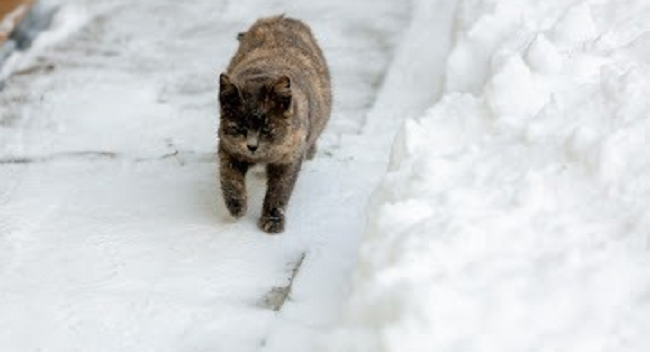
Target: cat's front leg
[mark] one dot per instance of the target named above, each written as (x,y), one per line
(233,183)
(311,152)
(281,181)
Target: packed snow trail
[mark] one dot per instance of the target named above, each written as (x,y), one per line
(113,236)
(412,83)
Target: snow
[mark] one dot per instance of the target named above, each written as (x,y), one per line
(483,182)
(514,215)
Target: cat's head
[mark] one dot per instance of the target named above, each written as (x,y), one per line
(255,115)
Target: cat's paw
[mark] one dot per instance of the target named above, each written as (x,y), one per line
(272,222)
(236,207)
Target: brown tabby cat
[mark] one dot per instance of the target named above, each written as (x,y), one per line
(275,101)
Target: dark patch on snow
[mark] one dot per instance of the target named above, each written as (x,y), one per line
(37,19)
(277,297)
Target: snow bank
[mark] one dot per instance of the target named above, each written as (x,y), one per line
(515,215)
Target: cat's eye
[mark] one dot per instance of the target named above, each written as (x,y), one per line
(266,130)
(235,130)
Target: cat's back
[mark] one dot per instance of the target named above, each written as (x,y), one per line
(280,45)
(278,39)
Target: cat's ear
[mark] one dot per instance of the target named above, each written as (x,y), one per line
(281,93)
(228,92)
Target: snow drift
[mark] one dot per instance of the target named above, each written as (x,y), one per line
(515,215)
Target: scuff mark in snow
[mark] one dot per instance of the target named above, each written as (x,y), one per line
(181,156)
(276,298)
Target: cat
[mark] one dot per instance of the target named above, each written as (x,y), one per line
(275,100)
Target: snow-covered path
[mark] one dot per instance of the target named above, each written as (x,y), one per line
(113,236)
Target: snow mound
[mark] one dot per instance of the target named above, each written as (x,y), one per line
(515,213)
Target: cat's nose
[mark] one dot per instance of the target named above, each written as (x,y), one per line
(252,148)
